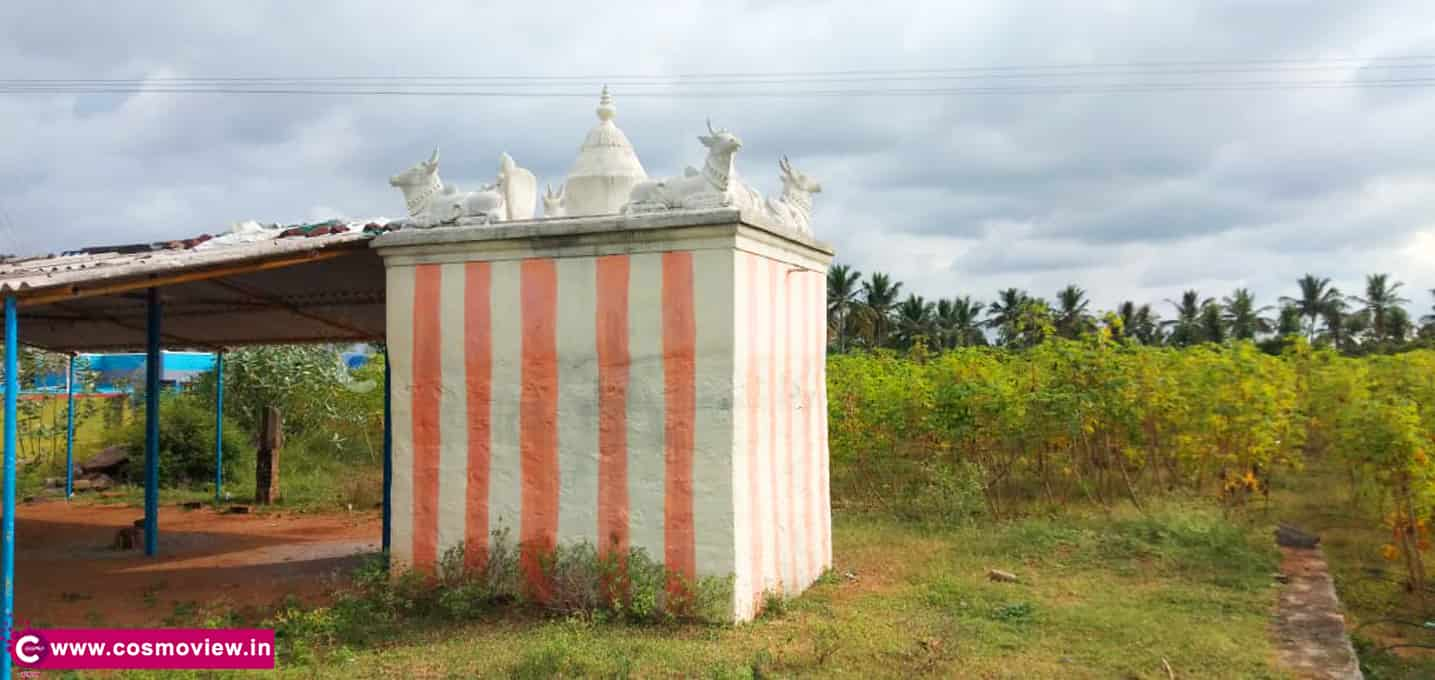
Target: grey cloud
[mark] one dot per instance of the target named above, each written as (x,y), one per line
(1130,195)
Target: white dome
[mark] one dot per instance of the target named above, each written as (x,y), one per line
(606,168)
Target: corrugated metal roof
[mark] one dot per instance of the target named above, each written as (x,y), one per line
(92,266)
(310,283)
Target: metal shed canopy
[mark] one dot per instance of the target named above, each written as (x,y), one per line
(290,289)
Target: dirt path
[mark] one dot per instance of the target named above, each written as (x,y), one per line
(69,574)
(1309,629)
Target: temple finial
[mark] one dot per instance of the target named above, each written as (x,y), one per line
(606,109)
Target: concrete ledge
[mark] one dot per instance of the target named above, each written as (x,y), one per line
(557,233)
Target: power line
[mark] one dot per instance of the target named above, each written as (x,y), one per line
(512,81)
(1194,86)
(1230,65)
(1091,78)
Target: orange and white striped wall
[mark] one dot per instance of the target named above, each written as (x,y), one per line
(647,381)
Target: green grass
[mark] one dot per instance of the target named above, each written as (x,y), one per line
(314,477)
(44,456)
(1371,588)
(1100,596)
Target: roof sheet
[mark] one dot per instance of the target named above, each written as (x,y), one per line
(308,283)
(95,265)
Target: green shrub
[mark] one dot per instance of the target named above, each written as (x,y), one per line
(945,493)
(186,443)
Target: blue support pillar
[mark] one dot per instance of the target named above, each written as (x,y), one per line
(70,430)
(388,456)
(219,427)
(153,367)
(12,391)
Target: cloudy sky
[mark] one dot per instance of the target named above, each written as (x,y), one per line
(1131,193)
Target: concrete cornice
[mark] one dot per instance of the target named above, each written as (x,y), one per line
(602,235)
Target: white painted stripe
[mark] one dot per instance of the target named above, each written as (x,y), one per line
(800,413)
(453,411)
(505,488)
(767,431)
(816,342)
(792,285)
(400,293)
(646,482)
(816,356)
(824,497)
(713,449)
(577,401)
(744,579)
(783,394)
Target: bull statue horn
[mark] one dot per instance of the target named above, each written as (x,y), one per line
(433,160)
(710,127)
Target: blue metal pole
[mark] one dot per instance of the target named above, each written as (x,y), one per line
(70,431)
(153,366)
(388,455)
(218,427)
(12,391)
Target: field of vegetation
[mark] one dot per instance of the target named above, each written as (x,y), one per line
(1128,470)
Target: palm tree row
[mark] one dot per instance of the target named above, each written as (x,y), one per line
(871,313)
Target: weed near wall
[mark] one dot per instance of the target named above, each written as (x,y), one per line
(629,588)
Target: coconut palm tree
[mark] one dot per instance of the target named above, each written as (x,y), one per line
(1398,326)
(842,290)
(1212,323)
(961,321)
(1288,322)
(1427,328)
(1072,317)
(1004,314)
(915,322)
(1033,323)
(879,296)
(1139,322)
(1243,317)
(1316,295)
(943,323)
(1380,300)
(1342,329)
(958,322)
(1186,327)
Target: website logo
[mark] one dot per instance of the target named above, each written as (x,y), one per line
(30,648)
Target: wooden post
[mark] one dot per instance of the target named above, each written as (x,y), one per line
(266,467)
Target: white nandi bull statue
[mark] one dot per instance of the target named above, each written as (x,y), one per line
(430,202)
(715,186)
(794,206)
(553,203)
(519,188)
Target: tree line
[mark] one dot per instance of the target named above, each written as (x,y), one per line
(871,312)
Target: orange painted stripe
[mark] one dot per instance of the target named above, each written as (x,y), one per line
(774,408)
(538,419)
(427,391)
(478,369)
(680,397)
(613,360)
(754,390)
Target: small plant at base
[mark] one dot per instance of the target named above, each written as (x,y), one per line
(826,640)
(774,606)
(1016,612)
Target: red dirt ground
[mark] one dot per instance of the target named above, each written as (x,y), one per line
(68,572)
